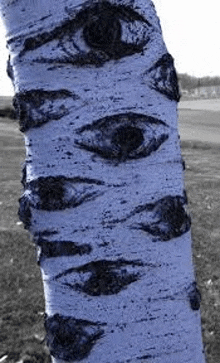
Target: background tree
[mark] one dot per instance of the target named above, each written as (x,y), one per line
(96,92)
(188,82)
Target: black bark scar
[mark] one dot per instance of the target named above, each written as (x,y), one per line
(107,277)
(194,296)
(164,77)
(171,219)
(44,233)
(184,165)
(123,136)
(146,356)
(60,248)
(24,175)
(101,30)
(24,211)
(9,69)
(34,108)
(166,218)
(71,339)
(52,193)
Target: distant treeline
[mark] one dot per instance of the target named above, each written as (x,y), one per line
(8,112)
(187,82)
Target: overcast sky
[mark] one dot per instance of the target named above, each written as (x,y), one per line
(191,31)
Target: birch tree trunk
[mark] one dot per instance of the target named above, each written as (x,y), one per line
(96,92)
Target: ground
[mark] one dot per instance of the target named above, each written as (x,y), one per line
(21,299)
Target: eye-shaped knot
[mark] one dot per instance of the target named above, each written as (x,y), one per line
(168,218)
(127,139)
(122,137)
(94,35)
(102,32)
(70,339)
(102,277)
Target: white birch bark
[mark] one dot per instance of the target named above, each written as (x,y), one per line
(104,199)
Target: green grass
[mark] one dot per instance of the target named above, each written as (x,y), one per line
(202,180)
(21,298)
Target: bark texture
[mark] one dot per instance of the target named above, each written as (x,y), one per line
(96,93)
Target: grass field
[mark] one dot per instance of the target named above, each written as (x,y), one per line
(22,304)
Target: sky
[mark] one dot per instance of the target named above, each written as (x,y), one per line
(191,31)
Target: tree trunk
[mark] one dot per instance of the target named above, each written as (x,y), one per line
(96,93)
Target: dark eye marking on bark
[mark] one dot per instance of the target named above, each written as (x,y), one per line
(53,249)
(44,233)
(34,108)
(96,34)
(184,165)
(24,211)
(147,356)
(185,198)
(194,296)
(122,137)
(24,175)
(71,339)
(105,277)
(103,30)
(58,193)
(128,138)
(168,218)
(164,77)
(9,69)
